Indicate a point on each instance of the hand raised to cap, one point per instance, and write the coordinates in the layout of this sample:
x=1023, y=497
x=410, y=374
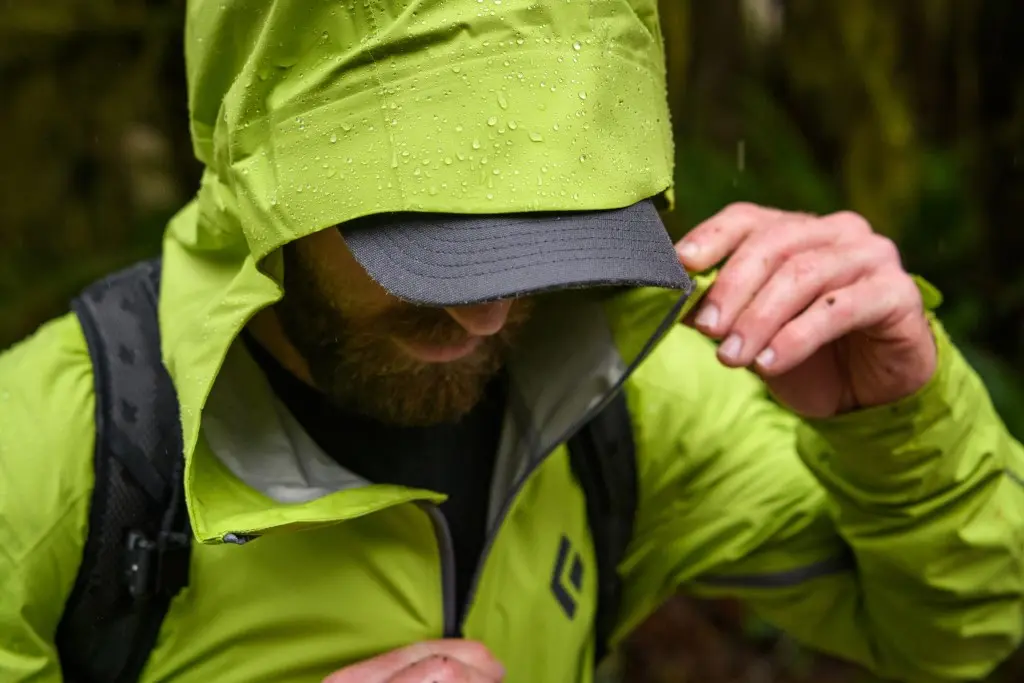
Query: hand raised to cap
x=820, y=307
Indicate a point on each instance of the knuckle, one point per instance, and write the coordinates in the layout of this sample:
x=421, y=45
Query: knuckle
x=840, y=306
x=913, y=291
x=773, y=244
x=801, y=267
x=892, y=299
x=851, y=221
x=795, y=338
x=742, y=208
x=751, y=264
x=887, y=249
x=743, y=212
x=754, y=321
x=908, y=295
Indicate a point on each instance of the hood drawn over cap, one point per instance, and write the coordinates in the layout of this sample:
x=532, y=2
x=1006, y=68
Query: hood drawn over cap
x=313, y=113
x=310, y=113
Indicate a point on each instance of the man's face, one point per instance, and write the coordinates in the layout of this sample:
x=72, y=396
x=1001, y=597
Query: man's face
x=379, y=356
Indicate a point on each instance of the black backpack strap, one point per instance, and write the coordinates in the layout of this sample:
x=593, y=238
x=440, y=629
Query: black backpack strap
x=137, y=552
x=603, y=457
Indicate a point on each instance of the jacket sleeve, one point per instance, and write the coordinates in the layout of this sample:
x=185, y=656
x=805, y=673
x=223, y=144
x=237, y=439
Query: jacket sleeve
x=46, y=477
x=892, y=536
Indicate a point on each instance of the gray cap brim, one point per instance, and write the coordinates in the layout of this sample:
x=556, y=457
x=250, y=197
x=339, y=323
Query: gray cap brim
x=451, y=260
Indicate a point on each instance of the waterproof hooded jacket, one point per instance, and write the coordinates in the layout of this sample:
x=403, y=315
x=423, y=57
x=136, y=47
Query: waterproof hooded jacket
x=891, y=536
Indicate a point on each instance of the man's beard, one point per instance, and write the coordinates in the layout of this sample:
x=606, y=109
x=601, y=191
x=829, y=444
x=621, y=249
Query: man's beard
x=354, y=361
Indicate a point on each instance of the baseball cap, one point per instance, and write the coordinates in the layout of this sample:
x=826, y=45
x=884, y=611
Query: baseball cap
x=452, y=259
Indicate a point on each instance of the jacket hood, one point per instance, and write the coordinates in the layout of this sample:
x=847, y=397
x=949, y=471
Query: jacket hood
x=310, y=113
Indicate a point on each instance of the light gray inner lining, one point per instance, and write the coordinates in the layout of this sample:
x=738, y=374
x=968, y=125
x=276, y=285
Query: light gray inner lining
x=566, y=363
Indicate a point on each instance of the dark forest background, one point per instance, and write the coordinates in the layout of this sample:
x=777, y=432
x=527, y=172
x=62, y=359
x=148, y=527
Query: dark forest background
x=910, y=112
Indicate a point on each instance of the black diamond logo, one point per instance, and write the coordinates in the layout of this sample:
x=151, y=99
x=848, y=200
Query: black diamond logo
x=567, y=578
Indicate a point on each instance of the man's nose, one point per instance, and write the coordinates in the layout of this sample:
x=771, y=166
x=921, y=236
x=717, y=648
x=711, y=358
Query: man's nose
x=481, y=320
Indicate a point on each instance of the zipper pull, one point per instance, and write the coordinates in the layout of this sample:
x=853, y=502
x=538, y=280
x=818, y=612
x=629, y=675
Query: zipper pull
x=239, y=539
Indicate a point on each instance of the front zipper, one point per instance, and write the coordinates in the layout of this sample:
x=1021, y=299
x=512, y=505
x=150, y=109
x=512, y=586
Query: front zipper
x=446, y=549
x=664, y=326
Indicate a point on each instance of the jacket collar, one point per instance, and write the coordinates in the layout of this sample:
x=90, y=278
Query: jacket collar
x=255, y=471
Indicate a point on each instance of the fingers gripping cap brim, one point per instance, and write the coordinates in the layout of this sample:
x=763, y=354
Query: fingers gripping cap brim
x=450, y=260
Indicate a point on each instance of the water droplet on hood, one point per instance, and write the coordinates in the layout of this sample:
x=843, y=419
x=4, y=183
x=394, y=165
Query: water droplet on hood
x=334, y=138
x=576, y=46
x=536, y=137
x=502, y=102
x=493, y=121
x=583, y=95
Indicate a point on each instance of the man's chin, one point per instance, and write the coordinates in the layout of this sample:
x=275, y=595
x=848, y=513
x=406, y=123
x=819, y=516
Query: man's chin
x=432, y=394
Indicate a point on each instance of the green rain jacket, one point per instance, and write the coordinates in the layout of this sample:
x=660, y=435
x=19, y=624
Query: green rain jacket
x=309, y=113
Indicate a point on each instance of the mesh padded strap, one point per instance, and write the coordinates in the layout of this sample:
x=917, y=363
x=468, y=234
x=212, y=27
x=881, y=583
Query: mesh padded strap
x=136, y=554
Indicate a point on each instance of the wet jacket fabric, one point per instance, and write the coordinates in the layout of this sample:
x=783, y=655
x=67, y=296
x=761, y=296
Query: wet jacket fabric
x=890, y=536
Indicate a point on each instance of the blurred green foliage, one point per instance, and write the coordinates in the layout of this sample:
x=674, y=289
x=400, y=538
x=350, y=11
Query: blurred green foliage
x=909, y=112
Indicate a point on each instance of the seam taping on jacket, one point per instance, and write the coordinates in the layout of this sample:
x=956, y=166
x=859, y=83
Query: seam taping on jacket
x=784, y=579
x=1013, y=475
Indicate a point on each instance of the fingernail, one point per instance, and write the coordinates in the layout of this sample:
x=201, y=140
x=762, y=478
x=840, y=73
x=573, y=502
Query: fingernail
x=731, y=347
x=688, y=251
x=766, y=358
x=708, y=316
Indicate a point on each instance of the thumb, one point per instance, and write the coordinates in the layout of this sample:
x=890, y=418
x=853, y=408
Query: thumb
x=444, y=669
x=382, y=668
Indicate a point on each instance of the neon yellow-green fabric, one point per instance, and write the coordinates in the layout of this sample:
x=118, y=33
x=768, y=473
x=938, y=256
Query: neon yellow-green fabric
x=308, y=113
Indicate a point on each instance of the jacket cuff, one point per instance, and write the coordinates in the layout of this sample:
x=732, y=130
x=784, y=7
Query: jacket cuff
x=908, y=450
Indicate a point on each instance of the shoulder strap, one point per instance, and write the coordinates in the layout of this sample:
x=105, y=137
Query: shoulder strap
x=137, y=550
x=603, y=457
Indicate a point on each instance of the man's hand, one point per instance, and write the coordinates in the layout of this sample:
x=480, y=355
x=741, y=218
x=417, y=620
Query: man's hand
x=821, y=308
x=436, y=661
